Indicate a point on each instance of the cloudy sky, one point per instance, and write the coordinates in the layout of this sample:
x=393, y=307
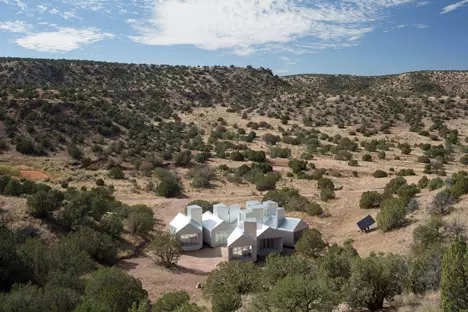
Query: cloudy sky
x=365, y=37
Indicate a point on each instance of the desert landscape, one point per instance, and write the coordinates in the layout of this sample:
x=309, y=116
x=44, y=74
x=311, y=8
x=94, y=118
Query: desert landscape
x=125, y=154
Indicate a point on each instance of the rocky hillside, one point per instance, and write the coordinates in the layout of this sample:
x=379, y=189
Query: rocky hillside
x=49, y=105
x=451, y=83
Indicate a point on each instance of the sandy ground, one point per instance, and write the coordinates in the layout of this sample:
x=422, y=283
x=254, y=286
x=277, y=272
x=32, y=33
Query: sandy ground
x=193, y=267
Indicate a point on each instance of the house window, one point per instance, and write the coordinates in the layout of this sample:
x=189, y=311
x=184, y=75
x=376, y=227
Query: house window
x=221, y=237
x=189, y=239
x=242, y=252
x=267, y=243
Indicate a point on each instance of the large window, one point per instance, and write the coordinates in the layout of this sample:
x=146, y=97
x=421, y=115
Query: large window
x=267, y=243
x=221, y=237
x=242, y=252
x=189, y=239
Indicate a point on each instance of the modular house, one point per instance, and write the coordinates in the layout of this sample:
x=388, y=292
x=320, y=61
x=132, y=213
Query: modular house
x=258, y=230
x=188, y=229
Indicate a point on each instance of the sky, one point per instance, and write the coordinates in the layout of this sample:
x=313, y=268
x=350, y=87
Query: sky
x=359, y=37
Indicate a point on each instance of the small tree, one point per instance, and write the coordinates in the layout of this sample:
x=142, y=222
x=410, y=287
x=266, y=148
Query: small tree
x=326, y=194
x=367, y=157
x=226, y=299
x=112, y=224
x=166, y=249
x=435, y=184
x=297, y=165
x=183, y=158
x=237, y=156
x=168, y=185
x=454, y=283
x=296, y=293
x=380, y=174
x=370, y=199
x=42, y=203
x=140, y=220
x=171, y=301
x=116, y=173
x=423, y=182
x=74, y=152
x=13, y=188
x=241, y=277
x=311, y=243
x=374, y=279
x=392, y=214
x=442, y=203
x=314, y=209
x=113, y=289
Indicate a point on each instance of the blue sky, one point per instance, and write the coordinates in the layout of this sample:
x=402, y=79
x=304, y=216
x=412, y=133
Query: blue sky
x=363, y=37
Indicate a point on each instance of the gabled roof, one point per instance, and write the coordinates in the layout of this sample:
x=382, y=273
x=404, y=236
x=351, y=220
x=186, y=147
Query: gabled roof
x=210, y=221
x=238, y=233
x=180, y=221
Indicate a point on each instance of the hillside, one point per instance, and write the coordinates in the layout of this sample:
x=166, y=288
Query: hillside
x=48, y=104
x=116, y=151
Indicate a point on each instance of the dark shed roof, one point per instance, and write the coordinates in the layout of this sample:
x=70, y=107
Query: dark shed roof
x=366, y=222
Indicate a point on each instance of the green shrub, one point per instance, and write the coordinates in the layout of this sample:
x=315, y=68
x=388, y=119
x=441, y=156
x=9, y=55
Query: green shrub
x=314, y=209
x=168, y=185
x=113, y=289
x=435, y=184
x=13, y=188
x=74, y=152
x=116, y=173
x=100, y=182
x=394, y=184
x=171, y=301
x=99, y=246
x=381, y=155
x=353, y=163
x=226, y=299
x=297, y=165
x=380, y=174
x=311, y=243
x=392, y=214
x=453, y=285
x=140, y=220
x=367, y=157
x=325, y=183
x=111, y=223
x=183, y=158
x=423, y=182
x=370, y=199
x=406, y=192
x=406, y=172
x=237, y=156
x=424, y=159
x=327, y=194
x=43, y=203
x=267, y=182
x=464, y=160
x=442, y=203
x=374, y=279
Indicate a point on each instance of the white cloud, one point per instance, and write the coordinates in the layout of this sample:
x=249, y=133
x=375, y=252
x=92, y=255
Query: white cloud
x=453, y=7
x=62, y=40
x=15, y=27
x=246, y=26
x=423, y=3
x=421, y=26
